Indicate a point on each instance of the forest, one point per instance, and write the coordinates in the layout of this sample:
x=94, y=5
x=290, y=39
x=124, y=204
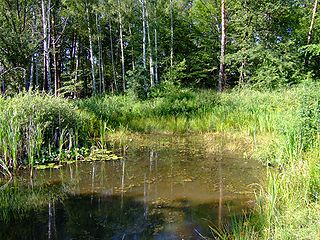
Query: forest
x=83, y=48
x=84, y=82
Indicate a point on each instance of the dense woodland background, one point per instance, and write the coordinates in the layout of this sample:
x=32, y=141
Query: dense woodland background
x=78, y=48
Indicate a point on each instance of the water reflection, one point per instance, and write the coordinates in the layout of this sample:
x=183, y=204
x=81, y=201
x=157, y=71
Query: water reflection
x=165, y=187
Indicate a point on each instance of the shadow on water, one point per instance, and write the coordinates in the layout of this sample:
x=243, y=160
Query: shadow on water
x=112, y=217
x=163, y=188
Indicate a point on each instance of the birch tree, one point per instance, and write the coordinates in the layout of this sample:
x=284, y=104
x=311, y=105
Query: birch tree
x=171, y=31
x=121, y=46
x=149, y=46
x=311, y=28
x=46, y=8
x=114, y=75
x=156, y=44
x=94, y=91
x=222, y=73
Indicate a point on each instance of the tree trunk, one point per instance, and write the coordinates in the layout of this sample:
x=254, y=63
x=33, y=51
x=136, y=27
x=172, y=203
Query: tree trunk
x=144, y=36
x=99, y=56
x=144, y=60
x=171, y=29
x=222, y=73
x=132, y=50
x=45, y=47
x=76, y=58
x=313, y=20
x=156, y=46
x=91, y=51
x=2, y=79
x=36, y=70
x=46, y=44
x=30, y=87
x=32, y=66
x=55, y=58
x=149, y=46
x=112, y=61
x=102, y=82
x=121, y=47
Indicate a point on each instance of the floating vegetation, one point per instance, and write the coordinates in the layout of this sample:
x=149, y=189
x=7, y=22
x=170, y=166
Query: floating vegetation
x=48, y=166
x=77, y=155
x=102, y=155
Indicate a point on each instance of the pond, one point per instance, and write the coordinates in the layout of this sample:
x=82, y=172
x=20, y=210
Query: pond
x=164, y=187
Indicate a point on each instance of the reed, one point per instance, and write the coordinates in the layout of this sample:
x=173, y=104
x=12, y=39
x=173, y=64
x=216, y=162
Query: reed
x=33, y=125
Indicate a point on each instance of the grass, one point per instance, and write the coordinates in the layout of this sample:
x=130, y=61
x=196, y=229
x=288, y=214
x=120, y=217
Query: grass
x=288, y=205
x=33, y=126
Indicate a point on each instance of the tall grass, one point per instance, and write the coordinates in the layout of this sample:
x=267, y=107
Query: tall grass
x=288, y=204
x=187, y=110
x=32, y=125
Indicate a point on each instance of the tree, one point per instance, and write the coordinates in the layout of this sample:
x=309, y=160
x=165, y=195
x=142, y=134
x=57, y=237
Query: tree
x=222, y=73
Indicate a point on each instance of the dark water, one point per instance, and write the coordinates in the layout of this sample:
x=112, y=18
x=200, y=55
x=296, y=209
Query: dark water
x=165, y=187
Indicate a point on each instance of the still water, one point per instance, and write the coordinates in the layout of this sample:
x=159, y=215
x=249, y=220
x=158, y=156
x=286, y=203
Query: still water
x=164, y=187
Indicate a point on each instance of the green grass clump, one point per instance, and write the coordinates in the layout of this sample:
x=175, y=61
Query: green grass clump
x=32, y=125
x=174, y=109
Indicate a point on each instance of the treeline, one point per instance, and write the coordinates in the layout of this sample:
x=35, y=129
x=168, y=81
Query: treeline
x=79, y=48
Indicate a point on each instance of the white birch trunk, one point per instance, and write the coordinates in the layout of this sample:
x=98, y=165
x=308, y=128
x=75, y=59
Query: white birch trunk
x=46, y=42
x=48, y=45
x=171, y=28
x=132, y=51
x=101, y=60
x=144, y=47
x=76, y=56
x=149, y=46
x=91, y=52
x=156, y=47
x=112, y=60
x=222, y=73
x=99, y=55
x=144, y=35
x=31, y=74
x=121, y=47
x=313, y=20
x=32, y=66
x=55, y=60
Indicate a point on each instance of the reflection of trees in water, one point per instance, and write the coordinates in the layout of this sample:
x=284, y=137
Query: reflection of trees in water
x=103, y=218
x=113, y=217
x=160, y=178
x=84, y=217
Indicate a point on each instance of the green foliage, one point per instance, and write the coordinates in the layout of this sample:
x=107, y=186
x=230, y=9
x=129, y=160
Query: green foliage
x=310, y=122
x=137, y=81
x=176, y=73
